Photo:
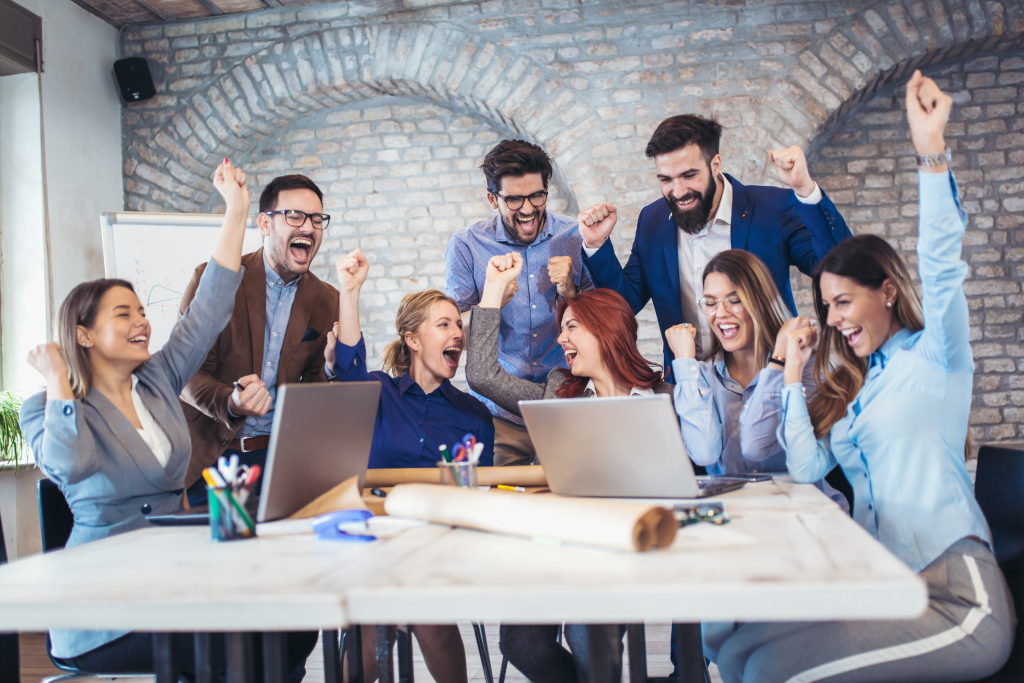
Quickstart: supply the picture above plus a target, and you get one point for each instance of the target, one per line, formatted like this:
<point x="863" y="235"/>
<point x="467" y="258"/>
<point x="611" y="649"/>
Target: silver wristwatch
<point x="939" y="159"/>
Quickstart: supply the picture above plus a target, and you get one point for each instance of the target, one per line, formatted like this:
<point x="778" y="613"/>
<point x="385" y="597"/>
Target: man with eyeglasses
<point x="517" y="174"/>
<point x="276" y="336"/>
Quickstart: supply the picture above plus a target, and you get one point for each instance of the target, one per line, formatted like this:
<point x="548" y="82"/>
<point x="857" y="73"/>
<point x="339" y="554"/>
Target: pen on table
<point x="517" y="489"/>
<point x="444" y="453"/>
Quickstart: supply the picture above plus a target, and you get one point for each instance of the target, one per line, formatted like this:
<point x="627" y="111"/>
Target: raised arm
<point x="596" y="224"/>
<point x="346" y="350"/>
<point x="483" y="371"/>
<point x="210" y="310"/>
<point x="53" y="424"/>
<point x="699" y="419"/>
<point x="940" y="233"/>
<point x="808" y="458"/>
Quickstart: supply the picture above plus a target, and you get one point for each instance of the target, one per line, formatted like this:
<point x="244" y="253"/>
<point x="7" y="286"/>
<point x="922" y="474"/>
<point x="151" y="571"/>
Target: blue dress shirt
<point x="411" y="424"/>
<point x="280" y="297"/>
<point x="528" y="338"/>
<point x="901" y="443"/>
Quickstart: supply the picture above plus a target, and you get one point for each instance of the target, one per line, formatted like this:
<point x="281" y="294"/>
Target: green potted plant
<point x="12" y="443"/>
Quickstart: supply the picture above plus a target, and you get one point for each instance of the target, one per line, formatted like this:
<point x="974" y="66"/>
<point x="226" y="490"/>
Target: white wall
<point x="22" y="255"/>
<point x="82" y="129"/>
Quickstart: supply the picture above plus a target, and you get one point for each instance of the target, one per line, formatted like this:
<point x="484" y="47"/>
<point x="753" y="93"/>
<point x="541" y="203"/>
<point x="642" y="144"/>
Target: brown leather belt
<point x="248" y="444"/>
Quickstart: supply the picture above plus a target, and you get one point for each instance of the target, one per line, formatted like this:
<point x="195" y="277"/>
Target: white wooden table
<point x="788" y="554"/>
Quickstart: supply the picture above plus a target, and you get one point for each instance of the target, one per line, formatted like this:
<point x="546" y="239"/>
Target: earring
<point x="87" y="345"/>
<point x="888" y="304"/>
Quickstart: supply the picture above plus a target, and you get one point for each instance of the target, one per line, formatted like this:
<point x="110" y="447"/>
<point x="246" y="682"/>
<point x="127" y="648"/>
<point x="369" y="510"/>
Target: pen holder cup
<point x="461" y="474"/>
<point x="229" y="520"/>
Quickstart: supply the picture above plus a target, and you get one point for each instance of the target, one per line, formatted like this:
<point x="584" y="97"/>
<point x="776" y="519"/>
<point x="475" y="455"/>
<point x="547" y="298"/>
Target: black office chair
<point x="55" y="524"/>
<point x="999" y="488"/>
<point x="10" y="658"/>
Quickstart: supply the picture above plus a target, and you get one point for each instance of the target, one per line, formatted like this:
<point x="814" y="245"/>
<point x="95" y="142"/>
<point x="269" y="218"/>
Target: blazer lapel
<point x="668" y="239"/>
<point x="742" y="214"/>
<point x="126" y="434"/>
<point x="298" y="322"/>
<point x="254" y="286"/>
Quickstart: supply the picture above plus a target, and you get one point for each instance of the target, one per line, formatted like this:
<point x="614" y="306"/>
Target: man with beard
<point x="703" y="212"/>
<point x="517" y="174"/>
<point x="276" y="336"/>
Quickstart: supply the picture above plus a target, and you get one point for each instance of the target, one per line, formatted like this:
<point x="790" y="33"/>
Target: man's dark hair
<point x="514" y="158"/>
<point x="679" y="131"/>
<point x="268" y="199"/>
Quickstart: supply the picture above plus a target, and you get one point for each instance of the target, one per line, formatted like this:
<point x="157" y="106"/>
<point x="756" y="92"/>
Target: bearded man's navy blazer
<point x="769" y="222"/>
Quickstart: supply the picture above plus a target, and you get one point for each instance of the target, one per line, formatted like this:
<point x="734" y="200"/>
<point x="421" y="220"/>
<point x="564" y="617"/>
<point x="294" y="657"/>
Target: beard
<point x="692" y="220"/>
<point x="513" y="232"/>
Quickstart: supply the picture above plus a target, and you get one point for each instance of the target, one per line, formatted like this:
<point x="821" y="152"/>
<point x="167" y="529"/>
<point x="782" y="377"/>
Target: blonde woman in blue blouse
<point x="891" y="409"/>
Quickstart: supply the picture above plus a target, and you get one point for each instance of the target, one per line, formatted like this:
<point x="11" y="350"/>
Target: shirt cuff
<point x="591" y="252"/>
<point x="685" y="369"/>
<point x="329" y="372"/>
<point x="345" y="355"/>
<point x="813" y="198"/>
<point x="937" y="193"/>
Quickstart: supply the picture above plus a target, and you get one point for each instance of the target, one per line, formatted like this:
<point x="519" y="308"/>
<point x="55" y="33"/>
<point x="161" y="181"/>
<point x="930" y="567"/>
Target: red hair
<point x="607" y="316"/>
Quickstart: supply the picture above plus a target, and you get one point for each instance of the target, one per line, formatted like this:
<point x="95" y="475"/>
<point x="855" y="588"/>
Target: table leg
<point x="404" y="655"/>
<point x="690" y="653"/>
<point x="165" y="661"/>
<point x="275" y="657"/>
<point x="603" y="640"/>
<point x="239" y="657"/>
<point x="204" y="657"/>
<point x="636" y="640"/>
<point x="332" y="657"/>
<point x="352" y="640"/>
<point x="385" y="664"/>
<point x="485" y="655"/>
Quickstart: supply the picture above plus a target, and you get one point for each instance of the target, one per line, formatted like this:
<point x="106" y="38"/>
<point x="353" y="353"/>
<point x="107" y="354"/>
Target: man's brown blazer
<point x="239" y="352"/>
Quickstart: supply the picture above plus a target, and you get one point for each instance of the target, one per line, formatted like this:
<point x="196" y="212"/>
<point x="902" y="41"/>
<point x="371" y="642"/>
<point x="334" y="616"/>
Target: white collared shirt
<point x="151" y="432"/>
<point x="591" y="390"/>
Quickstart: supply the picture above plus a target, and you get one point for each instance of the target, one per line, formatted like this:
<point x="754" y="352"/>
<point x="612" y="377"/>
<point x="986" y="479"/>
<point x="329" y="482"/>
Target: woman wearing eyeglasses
<point x="729" y="404"/>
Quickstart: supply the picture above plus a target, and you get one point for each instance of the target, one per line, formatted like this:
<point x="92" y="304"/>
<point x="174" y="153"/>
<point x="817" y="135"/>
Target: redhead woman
<point x="891" y="409"/>
<point x="598" y="337"/>
<point x="109" y="429"/>
<point x="419" y="411"/>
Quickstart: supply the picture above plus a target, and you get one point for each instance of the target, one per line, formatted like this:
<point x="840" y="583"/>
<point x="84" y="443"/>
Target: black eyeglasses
<point x="296" y="219"/>
<point x="515" y="202"/>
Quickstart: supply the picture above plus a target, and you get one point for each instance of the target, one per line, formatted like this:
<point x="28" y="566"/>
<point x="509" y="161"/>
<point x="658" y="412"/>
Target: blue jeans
<point x="536" y="652"/>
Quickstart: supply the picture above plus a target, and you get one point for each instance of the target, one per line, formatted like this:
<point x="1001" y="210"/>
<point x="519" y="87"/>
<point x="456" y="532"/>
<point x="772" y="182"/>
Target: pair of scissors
<point x="466" y="447"/>
<point x="328" y="527"/>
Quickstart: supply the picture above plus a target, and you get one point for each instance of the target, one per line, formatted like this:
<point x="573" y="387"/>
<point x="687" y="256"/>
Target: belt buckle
<point x="242" y="441"/>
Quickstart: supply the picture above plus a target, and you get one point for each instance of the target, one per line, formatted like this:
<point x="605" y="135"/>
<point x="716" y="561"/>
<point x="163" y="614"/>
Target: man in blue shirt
<point x="277" y="333"/>
<point x="517" y="174"/>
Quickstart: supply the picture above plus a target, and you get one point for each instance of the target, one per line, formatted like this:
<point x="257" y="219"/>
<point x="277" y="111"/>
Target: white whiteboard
<point x="157" y="253"/>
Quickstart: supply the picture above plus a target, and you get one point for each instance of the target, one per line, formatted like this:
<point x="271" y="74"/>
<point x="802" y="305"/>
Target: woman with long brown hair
<point x="892" y="410"/>
<point x="599" y="339"/>
<point x="109" y="429"/>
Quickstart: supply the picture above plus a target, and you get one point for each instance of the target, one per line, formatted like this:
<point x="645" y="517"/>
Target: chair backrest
<point x="999" y="488"/>
<point x="55" y="518"/>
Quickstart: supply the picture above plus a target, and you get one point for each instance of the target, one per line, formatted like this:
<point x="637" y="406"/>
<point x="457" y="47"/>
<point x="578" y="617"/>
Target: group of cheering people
<point x="879" y="384"/>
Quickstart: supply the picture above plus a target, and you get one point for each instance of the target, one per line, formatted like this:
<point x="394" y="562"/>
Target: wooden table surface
<point x="789" y="553"/>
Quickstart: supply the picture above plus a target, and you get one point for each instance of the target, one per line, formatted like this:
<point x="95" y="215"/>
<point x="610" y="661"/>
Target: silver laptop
<point x="623" y="447"/>
<point x="321" y="436"/>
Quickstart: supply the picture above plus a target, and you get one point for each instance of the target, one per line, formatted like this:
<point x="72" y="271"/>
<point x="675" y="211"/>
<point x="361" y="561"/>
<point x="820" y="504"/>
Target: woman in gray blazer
<point x="598" y="336"/>
<point x="109" y="429"/>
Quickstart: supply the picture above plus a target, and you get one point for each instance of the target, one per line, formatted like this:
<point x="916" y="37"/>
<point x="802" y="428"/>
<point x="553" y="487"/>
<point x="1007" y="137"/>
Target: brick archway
<point x="262" y="93"/>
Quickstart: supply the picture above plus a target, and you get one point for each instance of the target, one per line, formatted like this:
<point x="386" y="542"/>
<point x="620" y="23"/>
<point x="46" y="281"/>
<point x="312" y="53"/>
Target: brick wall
<point x="868" y="168"/>
<point x="586" y="79"/>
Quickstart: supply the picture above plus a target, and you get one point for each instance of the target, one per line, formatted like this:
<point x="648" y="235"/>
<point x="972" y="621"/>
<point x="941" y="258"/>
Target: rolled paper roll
<point x="532" y="475"/>
<point x="617" y="524"/>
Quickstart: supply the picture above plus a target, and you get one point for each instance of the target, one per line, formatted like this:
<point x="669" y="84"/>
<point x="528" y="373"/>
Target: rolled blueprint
<point x="588" y="521"/>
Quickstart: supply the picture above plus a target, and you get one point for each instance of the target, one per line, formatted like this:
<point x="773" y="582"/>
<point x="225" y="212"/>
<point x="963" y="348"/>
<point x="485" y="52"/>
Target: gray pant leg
<point x="578" y="638"/>
<point x="966" y="633"/>
<point x="512" y="444"/>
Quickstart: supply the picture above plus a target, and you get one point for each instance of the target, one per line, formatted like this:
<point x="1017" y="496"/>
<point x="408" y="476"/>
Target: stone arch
<point x="264" y="91"/>
<point x="853" y="57"/>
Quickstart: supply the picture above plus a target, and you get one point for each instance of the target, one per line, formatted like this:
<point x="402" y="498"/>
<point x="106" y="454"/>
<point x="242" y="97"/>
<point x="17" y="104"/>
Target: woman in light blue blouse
<point x="730" y="404"/>
<point x="892" y="410"/>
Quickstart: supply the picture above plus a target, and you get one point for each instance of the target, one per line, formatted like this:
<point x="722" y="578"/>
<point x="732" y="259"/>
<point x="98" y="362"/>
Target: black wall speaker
<point x="133" y="79"/>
